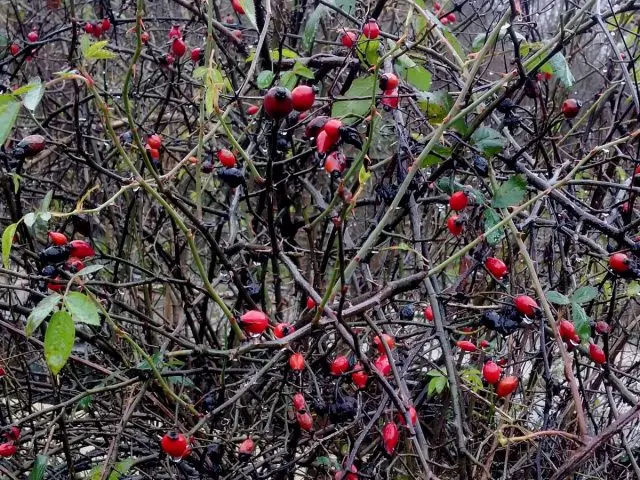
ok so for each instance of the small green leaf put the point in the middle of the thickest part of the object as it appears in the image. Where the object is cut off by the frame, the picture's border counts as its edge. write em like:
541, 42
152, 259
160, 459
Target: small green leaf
7, 242
265, 78
46, 201
96, 51
41, 311
288, 80
633, 289
200, 72
560, 69
303, 71
39, 467
581, 322
34, 95
363, 175
416, 75
9, 108
557, 298
491, 219
488, 141
250, 12
436, 385
58, 341
361, 87
368, 50
511, 192
311, 27
436, 105
30, 219
438, 154
584, 294
82, 308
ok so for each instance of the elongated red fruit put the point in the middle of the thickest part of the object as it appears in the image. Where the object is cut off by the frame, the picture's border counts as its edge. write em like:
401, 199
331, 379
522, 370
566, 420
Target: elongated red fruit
597, 354
526, 305
507, 386
388, 339
296, 361
466, 346
491, 372
254, 321
339, 365
390, 436
81, 249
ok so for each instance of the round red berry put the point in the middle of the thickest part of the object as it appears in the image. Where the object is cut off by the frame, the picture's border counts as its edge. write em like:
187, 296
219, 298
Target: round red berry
371, 29
458, 201
296, 362
339, 365
281, 330
311, 303
196, 55
226, 158
154, 141
526, 305
496, 267
455, 225
619, 262
388, 81
491, 372
302, 98
174, 444
277, 102
597, 354
571, 108
178, 47
348, 39
175, 32
507, 386
33, 36
254, 322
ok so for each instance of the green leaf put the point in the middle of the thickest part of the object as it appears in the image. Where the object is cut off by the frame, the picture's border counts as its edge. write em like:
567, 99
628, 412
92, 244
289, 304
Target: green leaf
436, 105
437, 154
473, 377
361, 87
82, 308
39, 467
250, 12
58, 341
96, 51
448, 34
488, 141
560, 69
200, 72
30, 219
584, 295
46, 201
419, 77
9, 108
557, 298
581, 322
510, 193
303, 71
368, 50
89, 270
491, 219
363, 175
85, 43
7, 242
119, 469
288, 80
436, 385
41, 311
265, 78
633, 289
311, 27
34, 95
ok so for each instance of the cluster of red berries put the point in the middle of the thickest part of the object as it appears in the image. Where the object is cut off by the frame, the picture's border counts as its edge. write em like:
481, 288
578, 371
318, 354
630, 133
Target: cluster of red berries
175, 445
389, 85
370, 30
446, 19
457, 202
11, 436
303, 417
62, 254
154, 143
97, 28
567, 332
32, 37
280, 102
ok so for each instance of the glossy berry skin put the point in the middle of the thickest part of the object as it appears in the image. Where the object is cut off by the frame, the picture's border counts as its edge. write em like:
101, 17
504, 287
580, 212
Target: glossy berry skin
305, 421
332, 129
226, 158
254, 322
237, 7
154, 153
391, 99
154, 141
597, 354
339, 366
281, 330
81, 249
88, 28
8, 450
491, 372
382, 365
324, 143
29, 146
14, 49
246, 447
302, 98
602, 327
252, 109
455, 225
570, 108
106, 24
428, 313
413, 416
452, 18
196, 55
388, 81
526, 305
178, 47
619, 262
299, 402
12, 434
33, 36
507, 386
349, 39
567, 330
371, 29
466, 346
97, 30
144, 37
436, 6
175, 32
359, 377
390, 437
496, 267
388, 339
174, 444
296, 362
311, 303
335, 163
57, 238
484, 343
277, 102
458, 201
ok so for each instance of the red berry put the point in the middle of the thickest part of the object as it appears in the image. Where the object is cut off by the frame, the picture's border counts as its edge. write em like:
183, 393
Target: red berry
388, 339
452, 17
507, 386
567, 330
226, 158
8, 450
602, 327
391, 99
252, 109
254, 321
174, 444
57, 238
496, 267
570, 108
597, 354
413, 416
348, 39
302, 97
335, 163
390, 437
436, 6
237, 7
12, 434
619, 262
296, 362
388, 81
2, 372
382, 365
56, 287
88, 28
97, 29
484, 343
339, 365
14, 49
455, 225
81, 249
332, 129
196, 55
33, 36
444, 21
106, 24
526, 305
371, 30
283, 329
178, 47
491, 372
359, 377
548, 75
352, 474
73, 265
145, 37
169, 59
466, 346
458, 201
428, 313
305, 421
315, 126
277, 102
299, 402
323, 142
154, 153
246, 447
311, 303
175, 32
154, 141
